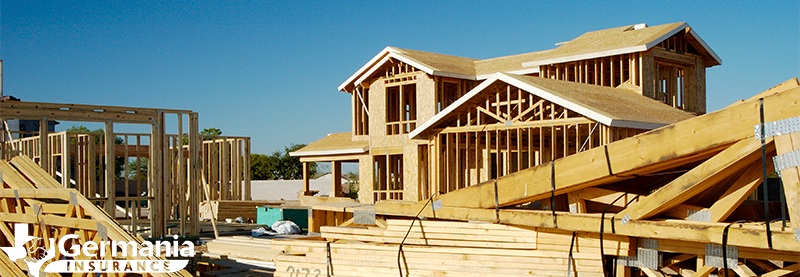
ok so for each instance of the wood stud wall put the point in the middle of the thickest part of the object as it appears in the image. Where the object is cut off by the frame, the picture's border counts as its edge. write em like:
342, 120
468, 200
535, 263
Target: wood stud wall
668, 73
172, 183
509, 130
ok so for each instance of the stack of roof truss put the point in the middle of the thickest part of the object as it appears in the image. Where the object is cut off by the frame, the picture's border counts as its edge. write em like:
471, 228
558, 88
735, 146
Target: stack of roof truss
29, 195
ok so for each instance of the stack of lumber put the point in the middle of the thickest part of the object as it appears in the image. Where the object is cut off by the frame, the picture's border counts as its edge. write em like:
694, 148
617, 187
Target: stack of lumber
243, 247
443, 248
231, 209
222, 266
483, 235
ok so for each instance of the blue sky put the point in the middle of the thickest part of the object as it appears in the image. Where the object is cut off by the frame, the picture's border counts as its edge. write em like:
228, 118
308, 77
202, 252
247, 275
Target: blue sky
269, 69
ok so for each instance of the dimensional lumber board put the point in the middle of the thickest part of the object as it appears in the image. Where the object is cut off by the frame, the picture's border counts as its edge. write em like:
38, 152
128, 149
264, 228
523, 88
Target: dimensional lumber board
349, 259
646, 153
704, 232
709, 173
790, 177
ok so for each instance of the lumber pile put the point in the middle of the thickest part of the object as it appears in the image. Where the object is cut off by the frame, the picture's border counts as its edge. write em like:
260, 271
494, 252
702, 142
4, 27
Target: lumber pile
446, 248
231, 209
243, 247
211, 266
480, 235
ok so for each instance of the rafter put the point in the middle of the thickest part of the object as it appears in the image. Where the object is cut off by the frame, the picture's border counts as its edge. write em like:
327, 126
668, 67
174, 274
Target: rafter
695, 181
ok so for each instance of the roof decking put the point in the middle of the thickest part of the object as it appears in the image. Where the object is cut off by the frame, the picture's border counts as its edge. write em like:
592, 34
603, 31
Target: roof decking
333, 144
602, 43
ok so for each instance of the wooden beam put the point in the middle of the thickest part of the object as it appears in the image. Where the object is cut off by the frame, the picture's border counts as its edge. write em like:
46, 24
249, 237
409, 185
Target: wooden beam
652, 272
110, 182
743, 187
195, 184
44, 150
678, 259
65, 160
743, 271
703, 232
790, 177
783, 271
704, 271
336, 175
649, 152
306, 178
695, 181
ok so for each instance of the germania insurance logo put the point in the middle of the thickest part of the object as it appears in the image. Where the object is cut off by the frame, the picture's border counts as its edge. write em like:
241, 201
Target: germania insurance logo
119, 249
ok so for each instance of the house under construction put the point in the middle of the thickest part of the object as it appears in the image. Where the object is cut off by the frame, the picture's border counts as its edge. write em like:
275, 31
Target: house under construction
596, 158
426, 123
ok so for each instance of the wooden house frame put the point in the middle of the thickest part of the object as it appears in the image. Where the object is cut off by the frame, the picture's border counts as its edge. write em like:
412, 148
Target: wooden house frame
182, 168
426, 123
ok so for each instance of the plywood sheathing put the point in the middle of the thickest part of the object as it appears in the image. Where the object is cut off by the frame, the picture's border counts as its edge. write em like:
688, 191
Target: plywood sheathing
615, 103
441, 62
331, 143
586, 44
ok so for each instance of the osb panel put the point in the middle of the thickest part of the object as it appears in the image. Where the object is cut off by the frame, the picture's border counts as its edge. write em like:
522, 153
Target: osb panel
377, 111
700, 94
648, 71
690, 88
334, 141
411, 187
365, 179
426, 97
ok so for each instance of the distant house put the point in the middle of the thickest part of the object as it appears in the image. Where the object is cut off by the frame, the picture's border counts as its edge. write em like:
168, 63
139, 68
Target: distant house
287, 189
426, 123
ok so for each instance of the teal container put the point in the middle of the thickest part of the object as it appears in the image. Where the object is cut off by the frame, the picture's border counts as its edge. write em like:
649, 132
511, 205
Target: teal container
267, 216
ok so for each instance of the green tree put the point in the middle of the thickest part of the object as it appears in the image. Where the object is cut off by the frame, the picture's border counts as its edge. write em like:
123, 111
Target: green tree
211, 132
140, 170
119, 162
279, 165
352, 182
207, 134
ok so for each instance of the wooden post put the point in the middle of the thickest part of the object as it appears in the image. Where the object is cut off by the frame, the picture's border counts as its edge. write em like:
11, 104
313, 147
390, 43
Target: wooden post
44, 157
194, 175
225, 174
336, 175
91, 170
306, 188
182, 191
247, 192
65, 157
156, 178
109, 176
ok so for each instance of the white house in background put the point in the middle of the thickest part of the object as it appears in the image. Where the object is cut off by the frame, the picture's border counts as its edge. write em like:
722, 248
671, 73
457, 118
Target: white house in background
287, 189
